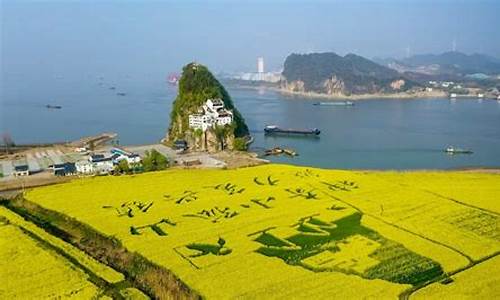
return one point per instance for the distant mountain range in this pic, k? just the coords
(332, 74)
(452, 63)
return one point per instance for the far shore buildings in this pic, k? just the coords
(212, 113)
(260, 75)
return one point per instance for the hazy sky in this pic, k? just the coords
(157, 37)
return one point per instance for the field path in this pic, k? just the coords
(461, 203)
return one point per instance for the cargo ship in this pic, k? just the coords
(453, 150)
(335, 103)
(273, 129)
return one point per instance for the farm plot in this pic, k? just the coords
(475, 189)
(29, 271)
(479, 282)
(103, 271)
(284, 231)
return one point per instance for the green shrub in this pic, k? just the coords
(154, 161)
(240, 144)
(122, 167)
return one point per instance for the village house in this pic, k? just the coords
(119, 154)
(21, 170)
(101, 164)
(84, 167)
(64, 169)
(96, 164)
(212, 113)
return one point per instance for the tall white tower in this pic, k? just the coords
(260, 64)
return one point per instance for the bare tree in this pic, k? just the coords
(8, 142)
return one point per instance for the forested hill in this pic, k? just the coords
(457, 62)
(334, 74)
(196, 85)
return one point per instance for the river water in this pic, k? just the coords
(373, 134)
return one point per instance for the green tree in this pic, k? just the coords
(122, 167)
(240, 144)
(198, 132)
(221, 133)
(154, 161)
(91, 146)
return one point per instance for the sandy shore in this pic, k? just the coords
(313, 95)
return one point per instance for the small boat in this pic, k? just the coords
(453, 150)
(335, 103)
(53, 106)
(290, 152)
(173, 78)
(274, 151)
(278, 151)
(121, 94)
(273, 129)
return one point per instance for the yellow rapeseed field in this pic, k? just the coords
(282, 231)
(480, 282)
(28, 271)
(101, 270)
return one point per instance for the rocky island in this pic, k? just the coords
(204, 115)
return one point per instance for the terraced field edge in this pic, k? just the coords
(155, 281)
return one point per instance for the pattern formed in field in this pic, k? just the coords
(291, 231)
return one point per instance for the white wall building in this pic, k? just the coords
(213, 113)
(84, 167)
(96, 164)
(200, 121)
(214, 104)
(260, 65)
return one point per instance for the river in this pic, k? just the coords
(373, 134)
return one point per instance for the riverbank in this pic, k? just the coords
(399, 96)
(315, 95)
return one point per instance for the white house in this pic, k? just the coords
(213, 113)
(102, 164)
(224, 118)
(121, 154)
(22, 170)
(214, 104)
(84, 167)
(96, 164)
(201, 121)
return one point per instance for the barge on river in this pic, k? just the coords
(275, 130)
(334, 103)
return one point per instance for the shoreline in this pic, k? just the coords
(315, 95)
(395, 96)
